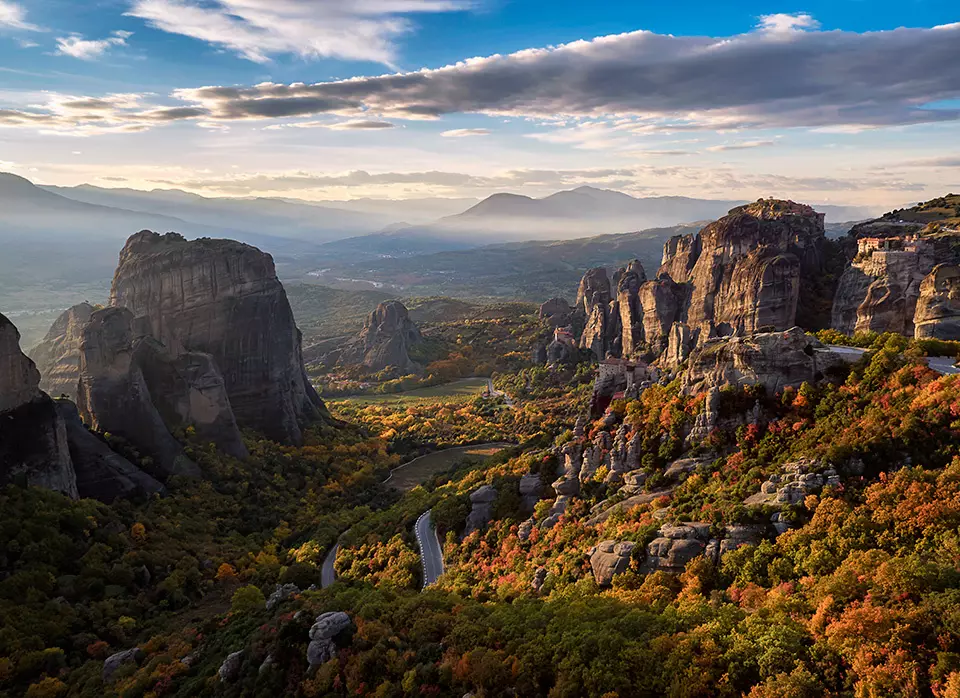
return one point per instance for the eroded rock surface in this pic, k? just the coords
(58, 355)
(386, 339)
(610, 558)
(481, 511)
(323, 634)
(223, 298)
(33, 438)
(937, 314)
(773, 359)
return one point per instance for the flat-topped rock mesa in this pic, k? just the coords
(33, 438)
(751, 268)
(58, 355)
(223, 298)
(387, 337)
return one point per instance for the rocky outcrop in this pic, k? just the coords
(386, 339)
(281, 592)
(773, 359)
(223, 298)
(751, 267)
(323, 634)
(230, 668)
(937, 314)
(610, 558)
(100, 473)
(879, 291)
(58, 355)
(680, 254)
(481, 512)
(742, 274)
(556, 312)
(33, 438)
(115, 661)
(113, 395)
(531, 487)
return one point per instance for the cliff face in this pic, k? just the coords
(750, 269)
(937, 313)
(33, 439)
(741, 274)
(223, 298)
(58, 355)
(113, 395)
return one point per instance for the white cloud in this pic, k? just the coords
(787, 23)
(743, 145)
(13, 16)
(258, 29)
(89, 49)
(466, 132)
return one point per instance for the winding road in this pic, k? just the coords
(431, 555)
(944, 365)
(327, 574)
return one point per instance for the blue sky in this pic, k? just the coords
(847, 101)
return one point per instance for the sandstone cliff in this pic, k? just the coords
(113, 395)
(223, 298)
(750, 270)
(33, 438)
(937, 313)
(58, 355)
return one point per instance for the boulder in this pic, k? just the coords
(556, 312)
(115, 661)
(58, 355)
(323, 634)
(610, 558)
(223, 298)
(481, 513)
(281, 593)
(230, 668)
(531, 487)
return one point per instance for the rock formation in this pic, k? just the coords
(386, 339)
(773, 359)
(323, 634)
(33, 438)
(481, 511)
(556, 312)
(102, 474)
(609, 559)
(223, 298)
(740, 275)
(113, 395)
(58, 355)
(749, 271)
(937, 314)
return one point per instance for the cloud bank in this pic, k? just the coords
(782, 75)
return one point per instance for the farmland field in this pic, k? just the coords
(463, 389)
(419, 470)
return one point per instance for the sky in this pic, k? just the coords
(825, 101)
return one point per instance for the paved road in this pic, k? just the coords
(499, 393)
(944, 365)
(327, 574)
(430, 553)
